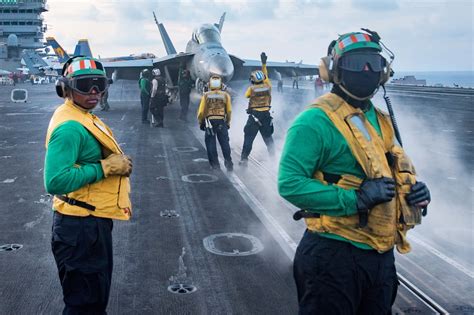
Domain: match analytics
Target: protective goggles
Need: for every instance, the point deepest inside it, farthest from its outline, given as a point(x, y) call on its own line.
point(86, 84)
point(357, 62)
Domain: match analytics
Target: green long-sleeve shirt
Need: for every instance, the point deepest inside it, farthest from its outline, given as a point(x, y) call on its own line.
point(72, 159)
point(314, 143)
point(145, 86)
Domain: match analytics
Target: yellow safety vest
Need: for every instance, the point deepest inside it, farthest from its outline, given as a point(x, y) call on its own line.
point(260, 97)
point(389, 222)
point(111, 195)
point(215, 104)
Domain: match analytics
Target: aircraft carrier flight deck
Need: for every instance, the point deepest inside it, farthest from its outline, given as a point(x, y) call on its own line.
point(203, 241)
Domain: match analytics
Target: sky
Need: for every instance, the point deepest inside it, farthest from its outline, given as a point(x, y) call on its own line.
point(425, 35)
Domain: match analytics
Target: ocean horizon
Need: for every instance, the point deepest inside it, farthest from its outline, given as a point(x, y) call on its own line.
point(446, 78)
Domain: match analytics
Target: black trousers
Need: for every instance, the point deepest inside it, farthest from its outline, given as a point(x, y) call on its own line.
point(145, 100)
point(157, 105)
point(219, 130)
point(252, 128)
point(335, 277)
point(82, 248)
point(184, 102)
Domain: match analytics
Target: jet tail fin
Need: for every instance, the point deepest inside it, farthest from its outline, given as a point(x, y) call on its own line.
point(33, 61)
point(58, 50)
point(221, 23)
point(83, 48)
point(170, 50)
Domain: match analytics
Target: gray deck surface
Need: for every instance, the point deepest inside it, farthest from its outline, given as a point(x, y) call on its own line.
point(437, 130)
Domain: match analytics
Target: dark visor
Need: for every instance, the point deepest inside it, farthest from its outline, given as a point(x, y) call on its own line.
point(86, 84)
point(357, 62)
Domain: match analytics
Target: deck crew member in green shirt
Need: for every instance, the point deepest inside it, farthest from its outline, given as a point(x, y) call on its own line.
point(88, 174)
point(342, 165)
point(145, 93)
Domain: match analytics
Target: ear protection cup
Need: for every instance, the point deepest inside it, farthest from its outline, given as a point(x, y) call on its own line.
point(385, 75)
point(326, 69)
point(61, 86)
point(326, 66)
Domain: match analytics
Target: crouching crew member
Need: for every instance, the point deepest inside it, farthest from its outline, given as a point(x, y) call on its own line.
point(214, 115)
point(259, 119)
point(88, 174)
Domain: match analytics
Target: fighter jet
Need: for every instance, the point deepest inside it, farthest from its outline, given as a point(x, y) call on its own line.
point(82, 48)
point(121, 67)
point(205, 56)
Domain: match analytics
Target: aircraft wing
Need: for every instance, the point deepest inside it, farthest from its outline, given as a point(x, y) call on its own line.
point(286, 69)
point(127, 69)
point(130, 69)
point(169, 66)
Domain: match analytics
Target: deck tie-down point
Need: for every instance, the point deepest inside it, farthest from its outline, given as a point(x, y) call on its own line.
point(181, 283)
point(169, 213)
point(232, 244)
point(10, 247)
point(199, 178)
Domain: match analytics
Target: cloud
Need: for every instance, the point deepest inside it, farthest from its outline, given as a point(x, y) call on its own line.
point(286, 29)
point(375, 5)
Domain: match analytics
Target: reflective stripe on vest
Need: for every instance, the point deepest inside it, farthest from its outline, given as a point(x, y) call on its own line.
point(215, 105)
point(260, 96)
point(387, 222)
point(109, 196)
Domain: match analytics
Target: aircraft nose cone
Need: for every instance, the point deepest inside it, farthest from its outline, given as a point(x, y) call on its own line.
point(222, 66)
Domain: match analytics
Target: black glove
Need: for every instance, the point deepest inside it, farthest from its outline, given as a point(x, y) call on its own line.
point(263, 57)
point(375, 191)
point(419, 193)
point(228, 125)
point(202, 126)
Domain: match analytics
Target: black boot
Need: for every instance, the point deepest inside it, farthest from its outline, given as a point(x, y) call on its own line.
point(229, 165)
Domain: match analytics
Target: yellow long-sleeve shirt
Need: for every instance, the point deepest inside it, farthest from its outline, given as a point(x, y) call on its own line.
point(207, 99)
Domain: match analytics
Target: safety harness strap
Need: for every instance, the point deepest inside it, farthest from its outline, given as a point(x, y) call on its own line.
point(75, 202)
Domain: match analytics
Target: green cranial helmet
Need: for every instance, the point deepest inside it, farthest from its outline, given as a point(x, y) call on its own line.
point(356, 40)
point(79, 66)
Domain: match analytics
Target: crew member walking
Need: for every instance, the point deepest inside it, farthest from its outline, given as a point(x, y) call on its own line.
point(214, 116)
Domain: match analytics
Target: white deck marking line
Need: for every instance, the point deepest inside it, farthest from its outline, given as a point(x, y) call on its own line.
point(438, 309)
point(20, 114)
point(283, 238)
point(439, 254)
point(271, 224)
